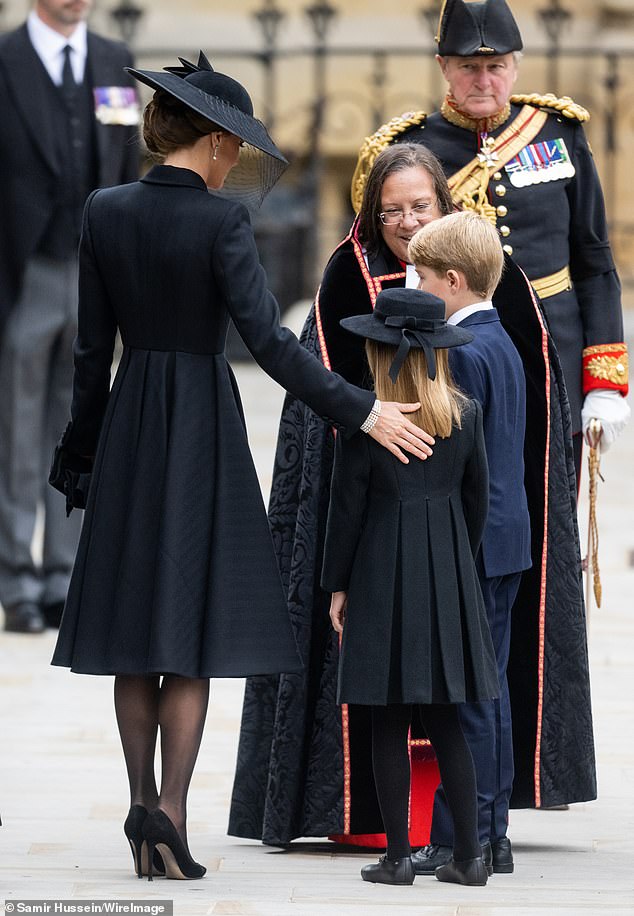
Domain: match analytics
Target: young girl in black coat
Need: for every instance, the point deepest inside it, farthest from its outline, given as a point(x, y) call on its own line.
point(399, 560)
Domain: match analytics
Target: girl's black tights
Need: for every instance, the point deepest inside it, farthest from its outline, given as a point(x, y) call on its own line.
point(390, 759)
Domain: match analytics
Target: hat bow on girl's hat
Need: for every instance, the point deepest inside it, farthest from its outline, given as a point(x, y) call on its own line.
point(407, 318)
point(225, 102)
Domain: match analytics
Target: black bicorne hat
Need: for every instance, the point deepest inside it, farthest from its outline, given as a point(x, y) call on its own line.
point(407, 318)
point(225, 102)
point(484, 28)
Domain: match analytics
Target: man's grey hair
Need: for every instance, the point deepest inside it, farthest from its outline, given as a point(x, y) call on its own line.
point(517, 56)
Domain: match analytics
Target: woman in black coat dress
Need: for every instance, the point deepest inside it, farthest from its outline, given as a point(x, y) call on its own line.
point(399, 558)
point(175, 579)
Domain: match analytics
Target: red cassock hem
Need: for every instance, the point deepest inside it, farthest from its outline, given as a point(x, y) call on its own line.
point(425, 780)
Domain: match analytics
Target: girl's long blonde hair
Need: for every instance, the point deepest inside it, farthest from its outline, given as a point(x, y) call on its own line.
point(441, 400)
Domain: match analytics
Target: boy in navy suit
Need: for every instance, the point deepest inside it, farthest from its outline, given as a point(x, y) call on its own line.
point(459, 259)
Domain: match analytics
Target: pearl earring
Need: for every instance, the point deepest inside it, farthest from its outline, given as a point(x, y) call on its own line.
point(215, 155)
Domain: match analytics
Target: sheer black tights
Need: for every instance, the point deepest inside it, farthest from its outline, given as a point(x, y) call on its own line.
point(390, 759)
point(178, 707)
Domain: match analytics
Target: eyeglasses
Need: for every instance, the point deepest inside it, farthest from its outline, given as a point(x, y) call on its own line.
point(419, 212)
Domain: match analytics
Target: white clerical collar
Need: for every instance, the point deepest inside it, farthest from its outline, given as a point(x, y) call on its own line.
point(411, 277)
point(463, 313)
point(50, 45)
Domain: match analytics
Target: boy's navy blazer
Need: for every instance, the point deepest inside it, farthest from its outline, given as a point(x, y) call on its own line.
point(490, 370)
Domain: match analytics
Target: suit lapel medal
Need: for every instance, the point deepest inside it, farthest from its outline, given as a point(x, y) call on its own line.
point(541, 162)
point(116, 105)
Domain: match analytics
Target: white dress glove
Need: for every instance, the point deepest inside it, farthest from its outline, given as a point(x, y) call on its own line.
point(611, 409)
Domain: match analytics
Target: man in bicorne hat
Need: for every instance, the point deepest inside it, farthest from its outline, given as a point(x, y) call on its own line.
point(69, 116)
point(525, 164)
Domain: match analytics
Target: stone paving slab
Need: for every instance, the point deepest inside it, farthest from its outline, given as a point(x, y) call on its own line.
point(63, 792)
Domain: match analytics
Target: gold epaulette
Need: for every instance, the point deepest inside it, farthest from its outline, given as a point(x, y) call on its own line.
point(564, 105)
point(375, 144)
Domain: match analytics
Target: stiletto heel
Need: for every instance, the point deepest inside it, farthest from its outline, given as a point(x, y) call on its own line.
point(160, 833)
point(150, 854)
point(133, 829)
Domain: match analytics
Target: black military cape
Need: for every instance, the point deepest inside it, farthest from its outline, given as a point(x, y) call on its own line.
point(304, 764)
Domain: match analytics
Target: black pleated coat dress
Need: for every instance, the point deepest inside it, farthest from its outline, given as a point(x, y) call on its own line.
point(175, 571)
point(401, 541)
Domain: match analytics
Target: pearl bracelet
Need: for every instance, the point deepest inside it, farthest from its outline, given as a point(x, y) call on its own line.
point(370, 421)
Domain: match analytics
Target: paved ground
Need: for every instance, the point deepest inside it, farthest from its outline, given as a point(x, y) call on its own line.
point(63, 791)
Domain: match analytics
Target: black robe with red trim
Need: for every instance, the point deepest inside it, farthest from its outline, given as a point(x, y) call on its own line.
point(304, 764)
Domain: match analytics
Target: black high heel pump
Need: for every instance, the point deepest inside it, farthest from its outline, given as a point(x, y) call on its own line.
point(133, 829)
point(161, 835)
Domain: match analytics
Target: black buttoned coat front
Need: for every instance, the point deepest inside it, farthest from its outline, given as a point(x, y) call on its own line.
point(175, 571)
point(401, 541)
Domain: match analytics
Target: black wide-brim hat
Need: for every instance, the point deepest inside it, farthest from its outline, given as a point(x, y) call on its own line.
point(477, 28)
point(406, 318)
point(225, 102)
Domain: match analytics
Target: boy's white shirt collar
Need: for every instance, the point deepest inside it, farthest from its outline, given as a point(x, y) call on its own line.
point(463, 313)
point(49, 46)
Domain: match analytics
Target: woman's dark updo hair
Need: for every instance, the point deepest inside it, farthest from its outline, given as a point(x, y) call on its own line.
point(169, 124)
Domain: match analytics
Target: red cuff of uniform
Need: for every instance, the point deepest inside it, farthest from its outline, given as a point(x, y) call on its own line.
point(605, 366)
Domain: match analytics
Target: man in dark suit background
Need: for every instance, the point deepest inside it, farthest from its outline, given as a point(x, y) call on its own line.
point(455, 259)
point(69, 115)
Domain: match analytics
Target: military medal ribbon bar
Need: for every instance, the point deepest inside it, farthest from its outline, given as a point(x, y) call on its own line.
point(116, 105)
point(537, 163)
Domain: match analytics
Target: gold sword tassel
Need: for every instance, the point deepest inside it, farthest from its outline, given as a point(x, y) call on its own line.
point(594, 473)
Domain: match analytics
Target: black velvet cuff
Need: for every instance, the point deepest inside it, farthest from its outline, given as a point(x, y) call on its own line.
point(70, 474)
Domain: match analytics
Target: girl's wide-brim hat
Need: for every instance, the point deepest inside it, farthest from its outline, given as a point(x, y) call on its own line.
point(405, 318)
point(225, 102)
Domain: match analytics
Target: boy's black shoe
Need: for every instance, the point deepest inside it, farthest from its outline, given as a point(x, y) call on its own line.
point(389, 871)
point(429, 858)
point(502, 856)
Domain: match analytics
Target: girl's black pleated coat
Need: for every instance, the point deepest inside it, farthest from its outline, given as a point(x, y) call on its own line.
point(175, 571)
point(401, 541)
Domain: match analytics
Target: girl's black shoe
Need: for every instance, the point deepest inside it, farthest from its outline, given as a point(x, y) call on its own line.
point(133, 829)
point(472, 872)
point(389, 871)
point(160, 834)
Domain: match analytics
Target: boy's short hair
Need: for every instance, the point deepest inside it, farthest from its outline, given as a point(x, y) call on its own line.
point(461, 241)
